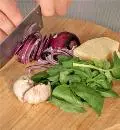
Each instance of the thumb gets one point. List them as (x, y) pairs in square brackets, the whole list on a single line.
[(47, 7)]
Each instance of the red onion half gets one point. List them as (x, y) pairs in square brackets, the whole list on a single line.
[(46, 49)]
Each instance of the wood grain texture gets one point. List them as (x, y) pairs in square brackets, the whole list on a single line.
[(17, 116)]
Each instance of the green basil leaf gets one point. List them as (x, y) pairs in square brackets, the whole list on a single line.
[(104, 64), (116, 66), (101, 81), (95, 73), (108, 76), (67, 107), (74, 78), (64, 92), (63, 58), (64, 76), (40, 77), (94, 99), (54, 78), (54, 70), (108, 93)]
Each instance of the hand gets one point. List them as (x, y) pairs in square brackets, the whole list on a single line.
[(10, 17), (50, 7)]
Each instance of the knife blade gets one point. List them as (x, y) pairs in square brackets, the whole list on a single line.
[(7, 47)]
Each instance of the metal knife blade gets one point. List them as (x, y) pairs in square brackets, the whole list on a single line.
[(7, 47)]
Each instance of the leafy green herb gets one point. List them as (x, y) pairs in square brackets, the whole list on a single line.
[(54, 70), (101, 81), (107, 93), (88, 66), (109, 76), (61, 59), (74, 79), (67, 64), (66, 106), (104, 64), (64, 76), (91, 96), (40, 77), (95, 73), (78, 82), (116, 66), (54, 78), (65, 93), (82, 72)]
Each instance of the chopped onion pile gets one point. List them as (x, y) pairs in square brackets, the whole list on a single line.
[(46, 49)]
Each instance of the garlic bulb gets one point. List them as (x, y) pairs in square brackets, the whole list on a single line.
[(25, 90), (21, 86), (38, 93)]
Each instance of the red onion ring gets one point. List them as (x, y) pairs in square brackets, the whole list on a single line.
[(41, 47), (51, 60), (42, 62), (36, 47), (35, 67)]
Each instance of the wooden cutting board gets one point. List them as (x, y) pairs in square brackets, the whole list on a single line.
[(17, 116)]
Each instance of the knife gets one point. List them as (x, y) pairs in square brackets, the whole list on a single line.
[(8, 46)]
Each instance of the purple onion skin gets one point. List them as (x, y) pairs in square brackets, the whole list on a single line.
[(64, 40)]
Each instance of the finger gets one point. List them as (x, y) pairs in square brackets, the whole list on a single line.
[(3, 35), (69, 2), (47, 7), (61, 6), (5, 24), (9, 7)]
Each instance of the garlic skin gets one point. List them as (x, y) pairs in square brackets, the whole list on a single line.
[(25, 91), (37, 94), (21, 85)]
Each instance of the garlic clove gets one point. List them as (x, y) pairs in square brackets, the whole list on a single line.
[(37, 94), (21, 86)]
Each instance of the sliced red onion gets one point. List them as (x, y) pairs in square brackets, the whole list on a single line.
[(36, 47), (38, 35), (51, 60), (70, 52), (18, 48), (41, 47), (30, 30), (42, 62), (23, 51), (62, 52), (46, 49), (29, 51), (47, 43), (35, 67), (49, 50)]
